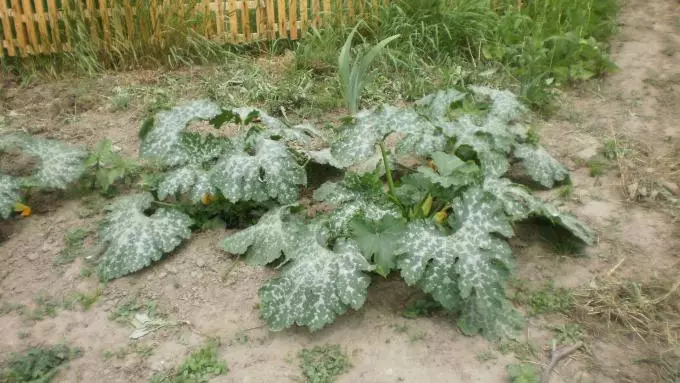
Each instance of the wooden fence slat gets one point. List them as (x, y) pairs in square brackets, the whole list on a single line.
[(206, 19), (104, 11), (271, 20), (19, 28), (54, 24), (316, 13), (245, 20), (42, 26), (233, 21), (30, 26), (6, 27), (281, 9), (292, 9), (326, 11), (258, 17), (304, 17), (219, 19)]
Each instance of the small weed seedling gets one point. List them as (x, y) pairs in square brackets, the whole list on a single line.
[(523, 373), (486, 356), (323, 364), (37, 364), (548, 299), (75, 239), (199, 367), (127, 310)]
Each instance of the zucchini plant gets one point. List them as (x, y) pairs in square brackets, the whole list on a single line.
[(56, 166)]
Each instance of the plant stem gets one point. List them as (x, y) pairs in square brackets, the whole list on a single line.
[(388, 173)]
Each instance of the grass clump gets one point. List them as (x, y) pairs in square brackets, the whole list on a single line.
[(547, 299), (323, 364), (523, 373), (37, 364), (75, 238), (199, 367)]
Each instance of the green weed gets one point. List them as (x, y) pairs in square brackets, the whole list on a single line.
[(486, 356), (568, 333), (74, 239), (323, 364), (523, 373), (121, 99), (597, 166), (199, 367), (547, 299), (128, 308), (86, 300), (38, 364)]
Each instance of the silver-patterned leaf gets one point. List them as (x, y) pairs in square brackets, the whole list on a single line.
[(349, 203), (9, 195), (191, 179), (316, 286), (270, 173), (357, 143), (493, 158), (163, 140), (436, 105), (504, 104), (300, 134), (59, 165), (540, 165), (519, 203), (465, 270), (274, 234), (132, 240)]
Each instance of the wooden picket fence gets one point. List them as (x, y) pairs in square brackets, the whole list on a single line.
[(30, 27)]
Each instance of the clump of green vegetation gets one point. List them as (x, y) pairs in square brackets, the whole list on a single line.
[(75, 238), (547, 299), (106, 168), (37, 364), (323, 364), (568, 333), (421, 308), (128, 308), (523, 373), (141, 350), (597, 166), (120, 100), (521, 350), (85, 299), (199, 367)]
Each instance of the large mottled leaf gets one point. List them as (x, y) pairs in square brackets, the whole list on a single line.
[(163, 140), (9, 195), (270, 173), (504, 104), (133, 240), (489, 142), (357, 142), (540, 165), (450, 171), (519, 203), (300, 134), (191, 179), (352, 197), (316, 286), (58, 164), (379, 240), (274, 234), (465, 271), (436, 105)]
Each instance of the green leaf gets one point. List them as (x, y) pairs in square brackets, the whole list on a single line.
[(451, 171), (163, 140), (59, 164), (491, 142), (132, 240), (379, 240), (357, 142), (437, 105), (465, 271), (316, 285), (270, 173), (191, 179), (9, 195), (519, 203), (504, 104), (540, 165), (357, 195), (274, 234)]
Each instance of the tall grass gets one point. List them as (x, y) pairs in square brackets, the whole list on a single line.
[(535, 47), (148, 33)]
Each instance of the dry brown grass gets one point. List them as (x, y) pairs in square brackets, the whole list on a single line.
[(643, 312)]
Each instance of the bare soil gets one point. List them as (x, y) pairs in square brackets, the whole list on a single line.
[(633, 207)]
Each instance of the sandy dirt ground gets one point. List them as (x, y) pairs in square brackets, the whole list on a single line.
[(631, 207)]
